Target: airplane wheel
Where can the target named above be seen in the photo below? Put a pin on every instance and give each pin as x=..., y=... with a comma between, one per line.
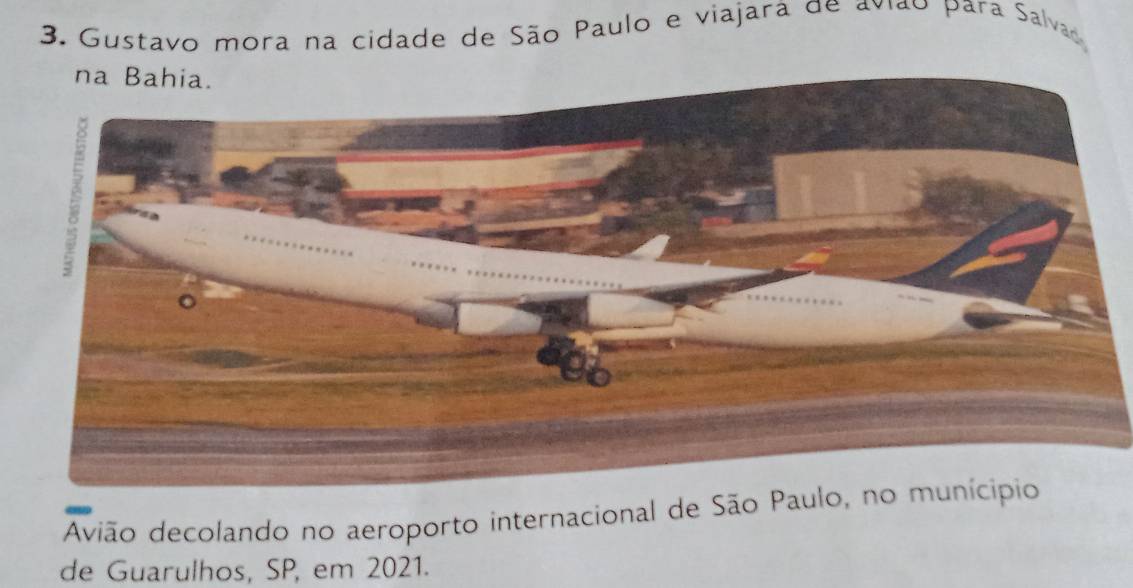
x=574, y=360
x=549, y=355
x=599, y=377
x=571, y=374
x=187, y=301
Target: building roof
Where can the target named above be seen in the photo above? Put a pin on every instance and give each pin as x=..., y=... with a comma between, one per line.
x=413, y=220
x=541, y=224
x=237, y=199
x=503, y=173
x=483, y=154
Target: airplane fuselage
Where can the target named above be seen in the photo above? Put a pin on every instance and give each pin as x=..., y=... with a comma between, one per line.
x=406, y=274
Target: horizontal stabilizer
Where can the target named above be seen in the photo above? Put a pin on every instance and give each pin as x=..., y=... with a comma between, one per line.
x=987, y=319
x=651, y=250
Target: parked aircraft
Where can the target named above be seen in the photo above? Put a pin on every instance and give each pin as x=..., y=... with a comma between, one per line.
x=581, y=301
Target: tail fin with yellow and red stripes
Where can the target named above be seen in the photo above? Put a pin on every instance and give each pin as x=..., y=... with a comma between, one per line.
x=1005, y=261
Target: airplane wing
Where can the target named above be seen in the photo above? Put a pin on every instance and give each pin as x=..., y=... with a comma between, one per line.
x=706, y=292
x=699, y=293
x=651, y=250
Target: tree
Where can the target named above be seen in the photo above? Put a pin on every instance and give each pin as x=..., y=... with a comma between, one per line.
x=332, y=183
x=298, y=178
x=670, y=171
x=687, y=139
x=967, y=199
x=236, y=177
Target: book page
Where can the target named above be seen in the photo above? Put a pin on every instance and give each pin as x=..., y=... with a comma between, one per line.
x=792, y=293
x=1108, y=22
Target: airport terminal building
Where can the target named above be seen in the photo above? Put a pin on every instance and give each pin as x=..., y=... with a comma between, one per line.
x=434, y=176
x=469, y=179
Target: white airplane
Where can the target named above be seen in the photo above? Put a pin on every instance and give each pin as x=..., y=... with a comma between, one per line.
x=581, y=301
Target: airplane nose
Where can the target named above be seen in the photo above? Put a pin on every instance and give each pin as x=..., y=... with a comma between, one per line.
x=115, y=224
x=125, y=229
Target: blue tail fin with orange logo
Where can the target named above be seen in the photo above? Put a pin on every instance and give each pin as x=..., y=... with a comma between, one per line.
x=1005, y=261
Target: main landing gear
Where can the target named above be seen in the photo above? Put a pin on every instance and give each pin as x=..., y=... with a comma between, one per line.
x=575, y=362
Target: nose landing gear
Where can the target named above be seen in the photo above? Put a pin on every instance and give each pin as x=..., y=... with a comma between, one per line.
x=575, y=361
x=187, y=301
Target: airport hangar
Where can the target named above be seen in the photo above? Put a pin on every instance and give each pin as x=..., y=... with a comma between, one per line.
x=883, y=182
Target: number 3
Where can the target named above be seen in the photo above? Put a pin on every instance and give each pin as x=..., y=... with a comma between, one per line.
x=48, y=35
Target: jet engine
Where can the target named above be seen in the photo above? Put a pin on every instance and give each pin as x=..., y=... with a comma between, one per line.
x=490, y=319
x=436, y=314
x=621, y=311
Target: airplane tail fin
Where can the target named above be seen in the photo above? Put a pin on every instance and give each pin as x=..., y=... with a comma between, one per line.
x=1005, y=261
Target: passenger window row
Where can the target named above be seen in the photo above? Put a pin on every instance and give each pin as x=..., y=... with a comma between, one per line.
x=511, y=276
x=544, y=279
x=299, y=246
x=433, y=266
x=795, y=300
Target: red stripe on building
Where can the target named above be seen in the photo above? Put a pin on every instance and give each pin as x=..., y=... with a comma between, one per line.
x=390, y=193
x=381, y=194
x=483, y=154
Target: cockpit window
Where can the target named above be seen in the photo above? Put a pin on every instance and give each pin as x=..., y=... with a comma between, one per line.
x=153, y=216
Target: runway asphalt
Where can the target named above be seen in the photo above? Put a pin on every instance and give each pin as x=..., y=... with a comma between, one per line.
x=211, y=455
